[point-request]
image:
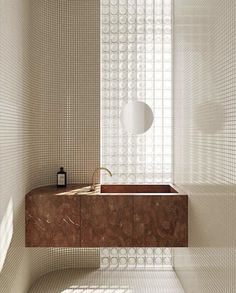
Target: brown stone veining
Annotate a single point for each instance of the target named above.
(106, 221)
(52, 220)
(161, 221)
(75, 217)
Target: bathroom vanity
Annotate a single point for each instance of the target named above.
(109, 216)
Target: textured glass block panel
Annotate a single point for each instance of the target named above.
(135, 258)
(136, 65)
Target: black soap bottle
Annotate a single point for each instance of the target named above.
(61, 178)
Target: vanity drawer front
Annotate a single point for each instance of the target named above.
(160, 221)
(106, 221)
(52, 221)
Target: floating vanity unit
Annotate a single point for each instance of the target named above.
(110, 216)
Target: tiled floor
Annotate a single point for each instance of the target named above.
(101, 281)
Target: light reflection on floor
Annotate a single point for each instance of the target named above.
(105, 281)
(97, 289)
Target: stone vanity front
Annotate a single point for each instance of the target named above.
(76, 217)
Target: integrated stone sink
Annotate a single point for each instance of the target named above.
(134, 215)
(139, 188)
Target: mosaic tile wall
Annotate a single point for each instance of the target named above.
(136, 65)
(43, 79)
(16, 152)
(66, 78)
(45, 260)
(204, 135)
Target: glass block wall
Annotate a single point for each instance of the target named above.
(135, 258)
(136, 65)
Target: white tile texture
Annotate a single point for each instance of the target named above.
(205, 141)
(97, 281)
(66, 80)
(16, 142)
(49, 116)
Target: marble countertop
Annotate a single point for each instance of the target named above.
(84, 189)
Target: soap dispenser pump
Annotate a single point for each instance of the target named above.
(61, 178)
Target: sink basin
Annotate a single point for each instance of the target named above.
(137, 188)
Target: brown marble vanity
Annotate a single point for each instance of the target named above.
(110, 216)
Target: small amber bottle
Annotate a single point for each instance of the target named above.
(61, 178)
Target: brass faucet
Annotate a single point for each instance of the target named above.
(94, 173)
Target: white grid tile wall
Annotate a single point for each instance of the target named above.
(50, 109)
(136, 65)
(66, 76)
(17, 167)
(45, 260)
(205, 141)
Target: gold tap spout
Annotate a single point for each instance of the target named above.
(94, 173)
